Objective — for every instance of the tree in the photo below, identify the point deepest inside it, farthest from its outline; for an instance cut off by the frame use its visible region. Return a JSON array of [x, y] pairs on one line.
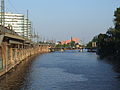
[[117, 19], [109, 43], [72, 43]]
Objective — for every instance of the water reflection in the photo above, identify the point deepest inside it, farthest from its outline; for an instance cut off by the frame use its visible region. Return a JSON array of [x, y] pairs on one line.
[[70, 70], [14, 79]]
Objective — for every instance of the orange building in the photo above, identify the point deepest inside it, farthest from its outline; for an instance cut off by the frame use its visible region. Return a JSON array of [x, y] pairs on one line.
[[76, 40]]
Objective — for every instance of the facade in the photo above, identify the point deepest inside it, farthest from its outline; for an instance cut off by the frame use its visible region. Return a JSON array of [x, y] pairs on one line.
[[18, 23]]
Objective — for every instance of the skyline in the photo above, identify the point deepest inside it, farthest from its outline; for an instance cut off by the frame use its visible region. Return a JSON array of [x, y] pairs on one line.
[[61, 19]]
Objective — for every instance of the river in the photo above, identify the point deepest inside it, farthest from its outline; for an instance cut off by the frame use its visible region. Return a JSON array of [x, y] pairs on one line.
[[69, 70]]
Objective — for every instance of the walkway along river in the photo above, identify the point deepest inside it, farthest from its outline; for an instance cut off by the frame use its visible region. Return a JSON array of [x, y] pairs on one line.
[[15, 48], [69, 70]]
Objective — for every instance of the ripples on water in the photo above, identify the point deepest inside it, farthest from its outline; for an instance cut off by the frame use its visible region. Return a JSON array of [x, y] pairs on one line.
[[70, 70]]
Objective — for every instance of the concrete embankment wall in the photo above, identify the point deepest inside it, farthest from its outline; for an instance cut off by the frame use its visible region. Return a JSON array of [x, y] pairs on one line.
[[12, 54]]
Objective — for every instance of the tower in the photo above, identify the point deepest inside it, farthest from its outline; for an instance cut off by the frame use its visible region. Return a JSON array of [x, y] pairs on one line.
[[27, 26], [71, 39], [2, 18]]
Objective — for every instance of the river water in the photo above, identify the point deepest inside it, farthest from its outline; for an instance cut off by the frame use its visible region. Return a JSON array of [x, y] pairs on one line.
[[69, 70]]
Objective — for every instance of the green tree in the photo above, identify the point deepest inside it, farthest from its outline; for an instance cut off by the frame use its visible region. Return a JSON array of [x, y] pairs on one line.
[[89, 45], [109, 43], [72, 43], [117, 19]]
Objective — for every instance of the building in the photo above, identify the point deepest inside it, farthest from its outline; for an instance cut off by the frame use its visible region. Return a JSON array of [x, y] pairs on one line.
[[18, 23], [76, 40], [94, 44]]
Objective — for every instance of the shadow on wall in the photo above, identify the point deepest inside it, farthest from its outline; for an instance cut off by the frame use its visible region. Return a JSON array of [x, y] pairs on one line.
[[15, 78]]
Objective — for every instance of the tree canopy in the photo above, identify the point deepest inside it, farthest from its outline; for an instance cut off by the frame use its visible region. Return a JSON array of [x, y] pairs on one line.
[[108, 44]]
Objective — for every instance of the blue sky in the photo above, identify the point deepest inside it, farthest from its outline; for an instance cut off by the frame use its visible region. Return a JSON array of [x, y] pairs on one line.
[[61, 19]]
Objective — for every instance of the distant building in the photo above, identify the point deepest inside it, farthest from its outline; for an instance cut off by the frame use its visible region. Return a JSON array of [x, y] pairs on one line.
[[76, 40], [94, 44], [18, 23]]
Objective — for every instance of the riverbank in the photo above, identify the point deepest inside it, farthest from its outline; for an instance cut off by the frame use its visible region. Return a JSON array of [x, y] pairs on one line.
[[13, 79], [114, 61], [11, 57], [15, 48]]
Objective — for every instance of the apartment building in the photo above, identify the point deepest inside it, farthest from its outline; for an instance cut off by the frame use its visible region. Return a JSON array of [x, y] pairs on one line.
[[19, 23]]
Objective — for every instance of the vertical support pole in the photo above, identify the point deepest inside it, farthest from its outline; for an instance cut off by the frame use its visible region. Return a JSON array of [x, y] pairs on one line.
[[27, 26], [23, 26], [2, 21]]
